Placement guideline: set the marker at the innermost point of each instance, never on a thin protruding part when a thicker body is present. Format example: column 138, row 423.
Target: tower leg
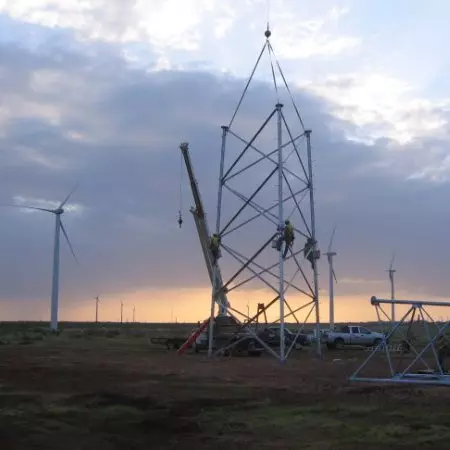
column 55, row 276
column 315, row 249
column 280, row 224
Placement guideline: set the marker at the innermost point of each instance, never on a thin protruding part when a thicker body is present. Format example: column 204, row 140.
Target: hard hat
column 286, row 221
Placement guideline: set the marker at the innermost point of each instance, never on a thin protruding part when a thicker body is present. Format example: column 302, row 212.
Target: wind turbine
column 332, row 278
column 58, row 212
column 391, row 272
column 97, row 300
column 121, row 311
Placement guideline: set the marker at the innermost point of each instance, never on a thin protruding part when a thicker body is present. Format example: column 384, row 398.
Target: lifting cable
column 273, row 74
column 269, row 49
column 287, row 86
column 180, row 214
column 247, row 85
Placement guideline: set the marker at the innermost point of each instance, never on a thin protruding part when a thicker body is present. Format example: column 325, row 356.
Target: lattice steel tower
column 263, row 182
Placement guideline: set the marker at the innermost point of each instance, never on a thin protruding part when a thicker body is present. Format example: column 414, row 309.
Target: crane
column 202, row 230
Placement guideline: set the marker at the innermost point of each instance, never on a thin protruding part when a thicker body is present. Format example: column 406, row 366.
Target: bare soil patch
column 108, row 394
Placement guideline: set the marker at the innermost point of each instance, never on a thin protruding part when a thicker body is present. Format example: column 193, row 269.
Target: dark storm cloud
column 70, row 116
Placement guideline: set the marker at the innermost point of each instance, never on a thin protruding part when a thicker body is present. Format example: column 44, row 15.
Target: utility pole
column 134, row 314
column 121, row 311
column 97, row 299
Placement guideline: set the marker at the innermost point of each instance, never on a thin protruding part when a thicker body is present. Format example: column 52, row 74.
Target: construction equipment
column 260, row 311
column 226, row 333
column 202, row 230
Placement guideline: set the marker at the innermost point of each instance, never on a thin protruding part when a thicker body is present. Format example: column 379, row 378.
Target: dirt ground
column 112, row 394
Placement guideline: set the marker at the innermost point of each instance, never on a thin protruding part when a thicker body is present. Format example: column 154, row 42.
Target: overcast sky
column 103, row 92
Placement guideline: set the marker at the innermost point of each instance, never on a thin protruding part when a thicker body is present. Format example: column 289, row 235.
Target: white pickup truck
column 352, row 335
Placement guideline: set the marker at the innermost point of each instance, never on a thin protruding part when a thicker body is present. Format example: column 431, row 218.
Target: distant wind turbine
column 121, row 311
column 332, row 278
column 97, row 300
column 55, row 277
column 391, row 272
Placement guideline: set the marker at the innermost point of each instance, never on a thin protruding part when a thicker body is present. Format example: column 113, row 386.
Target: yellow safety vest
column 289, row 230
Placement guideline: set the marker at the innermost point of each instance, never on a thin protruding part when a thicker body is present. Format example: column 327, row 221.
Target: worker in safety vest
column 214, row 246
column 286, row 235
column 308, row 251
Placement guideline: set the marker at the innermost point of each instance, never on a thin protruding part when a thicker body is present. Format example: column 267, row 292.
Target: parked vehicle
column 226, row 332
column 246, row 344
column 271, row 337
column 302, row 338
column 311, row 336
column 352, row 335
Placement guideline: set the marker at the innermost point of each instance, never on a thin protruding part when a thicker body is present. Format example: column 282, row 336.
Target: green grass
column 319, row 426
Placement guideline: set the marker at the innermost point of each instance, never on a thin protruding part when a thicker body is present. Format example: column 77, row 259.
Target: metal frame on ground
column 417, row 308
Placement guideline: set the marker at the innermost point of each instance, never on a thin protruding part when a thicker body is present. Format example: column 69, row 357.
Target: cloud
column 314, row 37
column 117, row 127
column 382, row 106
column 169, row 26
column 155, row 35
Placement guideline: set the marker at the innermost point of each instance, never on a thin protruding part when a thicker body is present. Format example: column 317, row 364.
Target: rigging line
column 295, row 208
column 287, row 87
column 181, row 183
column 273, row 74
column 248, row 83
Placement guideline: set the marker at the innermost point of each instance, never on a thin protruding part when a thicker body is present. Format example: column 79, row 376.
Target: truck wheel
column 252, row 350
column 376, row 342
column 339, row 343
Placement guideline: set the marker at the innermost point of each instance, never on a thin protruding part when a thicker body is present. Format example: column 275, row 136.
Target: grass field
column 103, row 386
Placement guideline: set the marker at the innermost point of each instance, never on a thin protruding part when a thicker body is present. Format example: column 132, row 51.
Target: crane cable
column 180, row 214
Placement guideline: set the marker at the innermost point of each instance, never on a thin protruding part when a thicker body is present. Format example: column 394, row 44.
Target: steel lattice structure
column 261, row 184
column 421, row 358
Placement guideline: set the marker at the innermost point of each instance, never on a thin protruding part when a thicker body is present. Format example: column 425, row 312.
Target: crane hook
column 180, row 219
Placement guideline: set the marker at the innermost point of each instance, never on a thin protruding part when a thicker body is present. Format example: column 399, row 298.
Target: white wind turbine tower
column 332, row 278
column 391, row 272
column 97, row 300
column 55, row 276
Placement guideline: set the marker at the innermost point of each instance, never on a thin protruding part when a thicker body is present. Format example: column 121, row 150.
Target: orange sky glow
column 192, row 305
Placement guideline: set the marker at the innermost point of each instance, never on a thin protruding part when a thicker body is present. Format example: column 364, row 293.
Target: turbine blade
column 68, row 241
column 334, row 275
column 69, row 195
column 392, row 261
column 30, row 207
column 331, row 240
